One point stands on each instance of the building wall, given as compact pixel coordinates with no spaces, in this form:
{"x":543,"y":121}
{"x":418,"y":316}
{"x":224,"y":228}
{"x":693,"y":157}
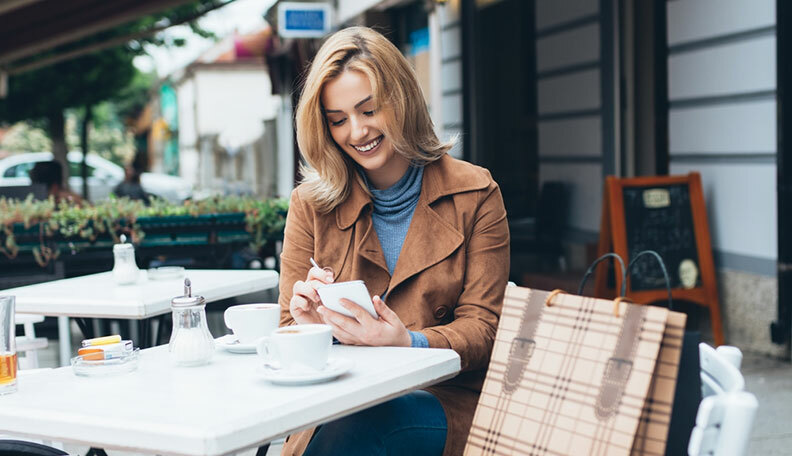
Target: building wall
{"x":574,"y":122}
{"x":235,"y":101}
{"x":188,"y":135}
{"x":223,"y":139}
{"x":722,"y":123}
{"x":449,"y":116}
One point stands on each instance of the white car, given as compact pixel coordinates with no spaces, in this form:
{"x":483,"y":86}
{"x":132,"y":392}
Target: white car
{"x":103,"y":176}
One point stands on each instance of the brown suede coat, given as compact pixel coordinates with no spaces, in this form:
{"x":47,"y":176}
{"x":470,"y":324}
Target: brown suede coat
{"x":448,"y":282}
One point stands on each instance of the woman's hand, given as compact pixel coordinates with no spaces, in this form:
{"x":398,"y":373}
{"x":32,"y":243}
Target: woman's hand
{"x":364,"y":329}
{"x":305,"y":300}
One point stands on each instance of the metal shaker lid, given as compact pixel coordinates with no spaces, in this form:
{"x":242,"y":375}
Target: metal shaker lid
{"x":123,"y":246}
{"x":188,"y":299}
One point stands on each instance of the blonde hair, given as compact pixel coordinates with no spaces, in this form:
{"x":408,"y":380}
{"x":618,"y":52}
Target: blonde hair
{"x":395,"y":88}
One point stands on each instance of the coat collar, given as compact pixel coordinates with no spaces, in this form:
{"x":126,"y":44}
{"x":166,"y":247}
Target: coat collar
{"x":443,"y":177}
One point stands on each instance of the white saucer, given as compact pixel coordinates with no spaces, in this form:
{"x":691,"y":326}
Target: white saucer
{"x":335,"y":368}
{"x":230,"y":343}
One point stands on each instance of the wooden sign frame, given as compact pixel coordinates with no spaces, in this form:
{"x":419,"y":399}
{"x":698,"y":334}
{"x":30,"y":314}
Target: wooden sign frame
{"x":613,"y":238}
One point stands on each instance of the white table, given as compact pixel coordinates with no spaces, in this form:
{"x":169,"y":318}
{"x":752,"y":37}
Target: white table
{"x":216,"y":409}
{"x":97,"y":296}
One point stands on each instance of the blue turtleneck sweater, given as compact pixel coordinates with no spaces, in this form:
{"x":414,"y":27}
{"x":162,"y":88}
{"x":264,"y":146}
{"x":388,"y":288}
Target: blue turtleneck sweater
{"x":393,"y":211}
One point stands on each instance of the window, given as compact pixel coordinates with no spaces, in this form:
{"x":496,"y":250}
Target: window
{"x":20,"y":170}
{"x":75,"y":169}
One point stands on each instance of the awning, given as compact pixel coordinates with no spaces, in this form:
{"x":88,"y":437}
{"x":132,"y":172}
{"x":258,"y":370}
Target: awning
{"x":29,"y":27}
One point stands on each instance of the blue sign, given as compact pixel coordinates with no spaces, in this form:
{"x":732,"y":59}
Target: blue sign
{"x":303,"y":20}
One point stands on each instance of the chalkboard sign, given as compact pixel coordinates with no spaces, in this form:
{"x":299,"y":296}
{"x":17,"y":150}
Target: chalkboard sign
{"x":660,"y":219}
{"x":665,"y":214}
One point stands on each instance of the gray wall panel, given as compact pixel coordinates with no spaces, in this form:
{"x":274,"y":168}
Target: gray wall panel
{"x":451,"y":75}
{"x":572,"y":92}
{"x":550,"y":13}
{"x":741,"y":206}
{"x":452,"y":42}
{"x":571,"y":137}
{"x":452,"y":110}
{"x":702,"y":19}
{"x":747,"y":66}
{"x":729,"y":128}
{"x":567,"y":48}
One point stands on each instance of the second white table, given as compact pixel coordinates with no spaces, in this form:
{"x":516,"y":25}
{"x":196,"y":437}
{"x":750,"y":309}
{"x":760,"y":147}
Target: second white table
{"x":97,"y":296}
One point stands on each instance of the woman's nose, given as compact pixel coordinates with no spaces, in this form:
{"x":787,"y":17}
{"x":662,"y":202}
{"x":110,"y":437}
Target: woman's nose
{"x":359,"y":129}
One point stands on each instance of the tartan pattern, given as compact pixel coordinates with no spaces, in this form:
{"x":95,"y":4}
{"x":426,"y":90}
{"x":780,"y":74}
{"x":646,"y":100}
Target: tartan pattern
{"x":650,"y":439}
{"x":552,"y":410}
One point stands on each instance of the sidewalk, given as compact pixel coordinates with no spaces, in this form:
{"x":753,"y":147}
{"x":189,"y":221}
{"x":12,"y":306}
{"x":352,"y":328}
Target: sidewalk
{"x":771,"y":381}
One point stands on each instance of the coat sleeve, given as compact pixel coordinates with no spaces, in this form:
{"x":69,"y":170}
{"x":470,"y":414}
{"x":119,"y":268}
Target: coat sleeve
{"x":478,"y":309}
{"x":298,"y":248}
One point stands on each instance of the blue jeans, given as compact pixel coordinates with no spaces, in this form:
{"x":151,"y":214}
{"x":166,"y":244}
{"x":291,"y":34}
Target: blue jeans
{"x":414,"y":424}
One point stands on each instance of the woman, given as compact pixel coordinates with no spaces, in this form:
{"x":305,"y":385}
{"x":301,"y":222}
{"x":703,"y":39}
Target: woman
{"x":130,"y":187}
{"x":382,"y":201}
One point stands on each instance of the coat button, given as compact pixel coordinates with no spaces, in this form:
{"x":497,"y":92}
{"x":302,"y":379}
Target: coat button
{"x":440,"y":312}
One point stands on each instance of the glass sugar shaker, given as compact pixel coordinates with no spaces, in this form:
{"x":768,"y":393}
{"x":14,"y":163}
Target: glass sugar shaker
{"x":125,"y":270}
{"x":191,"y":343}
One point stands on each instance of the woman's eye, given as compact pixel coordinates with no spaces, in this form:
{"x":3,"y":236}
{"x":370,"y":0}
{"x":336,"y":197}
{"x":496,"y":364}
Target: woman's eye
{"x":369,"y":113}
{"x":337,"y":122}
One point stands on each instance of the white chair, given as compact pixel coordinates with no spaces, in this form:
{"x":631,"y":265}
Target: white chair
{"x":29,"y":343}
{"x":725,"y":415}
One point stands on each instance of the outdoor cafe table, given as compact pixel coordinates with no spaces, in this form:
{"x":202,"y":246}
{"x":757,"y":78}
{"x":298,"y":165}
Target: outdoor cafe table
{"x":97,"y":296}
{"x":216,"y":409}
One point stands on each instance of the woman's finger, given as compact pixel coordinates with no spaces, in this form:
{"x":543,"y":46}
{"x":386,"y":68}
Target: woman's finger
{"x":306,"y":290}
{"x":324,"y":275}
{"x":339,"y":333}
{"x":360,"y":313}
{"x":344,"y":337}
{"x":300,"y":303}
{"x":384,"y":311}
{"x":348,"y":324}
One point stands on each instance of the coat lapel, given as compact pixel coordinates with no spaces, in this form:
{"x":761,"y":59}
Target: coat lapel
{"x":431,"y":237}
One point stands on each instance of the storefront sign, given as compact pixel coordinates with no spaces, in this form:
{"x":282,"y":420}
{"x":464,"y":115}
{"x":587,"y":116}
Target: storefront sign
{"x":303,"y":20}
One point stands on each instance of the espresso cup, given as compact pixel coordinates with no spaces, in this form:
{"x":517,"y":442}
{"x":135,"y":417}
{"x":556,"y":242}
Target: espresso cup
{"x":250,"y":322}
{"x":297,"y":347}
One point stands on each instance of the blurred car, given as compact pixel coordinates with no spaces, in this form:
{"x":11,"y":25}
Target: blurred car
{"x":103,"y":176}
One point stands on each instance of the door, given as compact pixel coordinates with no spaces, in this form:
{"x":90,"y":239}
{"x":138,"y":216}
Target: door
{"x":505,"y":100}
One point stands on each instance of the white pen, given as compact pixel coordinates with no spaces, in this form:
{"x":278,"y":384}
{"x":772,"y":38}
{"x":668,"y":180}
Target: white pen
{"x":313,"y":262}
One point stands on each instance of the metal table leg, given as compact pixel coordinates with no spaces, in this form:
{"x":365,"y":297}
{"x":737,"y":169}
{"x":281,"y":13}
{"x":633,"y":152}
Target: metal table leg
{"x":64,"y":340}
{"x":143,"y":327}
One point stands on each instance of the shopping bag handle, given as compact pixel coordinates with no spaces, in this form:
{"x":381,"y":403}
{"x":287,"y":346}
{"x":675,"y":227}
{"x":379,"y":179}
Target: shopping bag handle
{"x":591,"y":268}
{"x":662,"y":268}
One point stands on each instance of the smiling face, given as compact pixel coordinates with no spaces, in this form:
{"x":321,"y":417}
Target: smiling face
{"x":356,"y":125}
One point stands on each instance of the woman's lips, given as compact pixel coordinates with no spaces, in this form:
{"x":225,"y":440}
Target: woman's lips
{"x":369,"y":147}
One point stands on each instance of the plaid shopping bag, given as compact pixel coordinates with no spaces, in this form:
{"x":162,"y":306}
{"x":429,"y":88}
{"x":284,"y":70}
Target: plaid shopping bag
{"x":650,"y":440}
{"x":569,"y":375}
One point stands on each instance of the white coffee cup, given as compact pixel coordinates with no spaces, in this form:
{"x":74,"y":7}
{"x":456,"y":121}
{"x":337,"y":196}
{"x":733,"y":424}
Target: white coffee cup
{"x":297,"y":347}
{"x":251,"y":322}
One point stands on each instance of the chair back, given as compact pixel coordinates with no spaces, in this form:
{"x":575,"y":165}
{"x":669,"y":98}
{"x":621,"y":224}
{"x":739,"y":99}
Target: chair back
{"x":718,"y":373}
{"x":725,"y":415}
